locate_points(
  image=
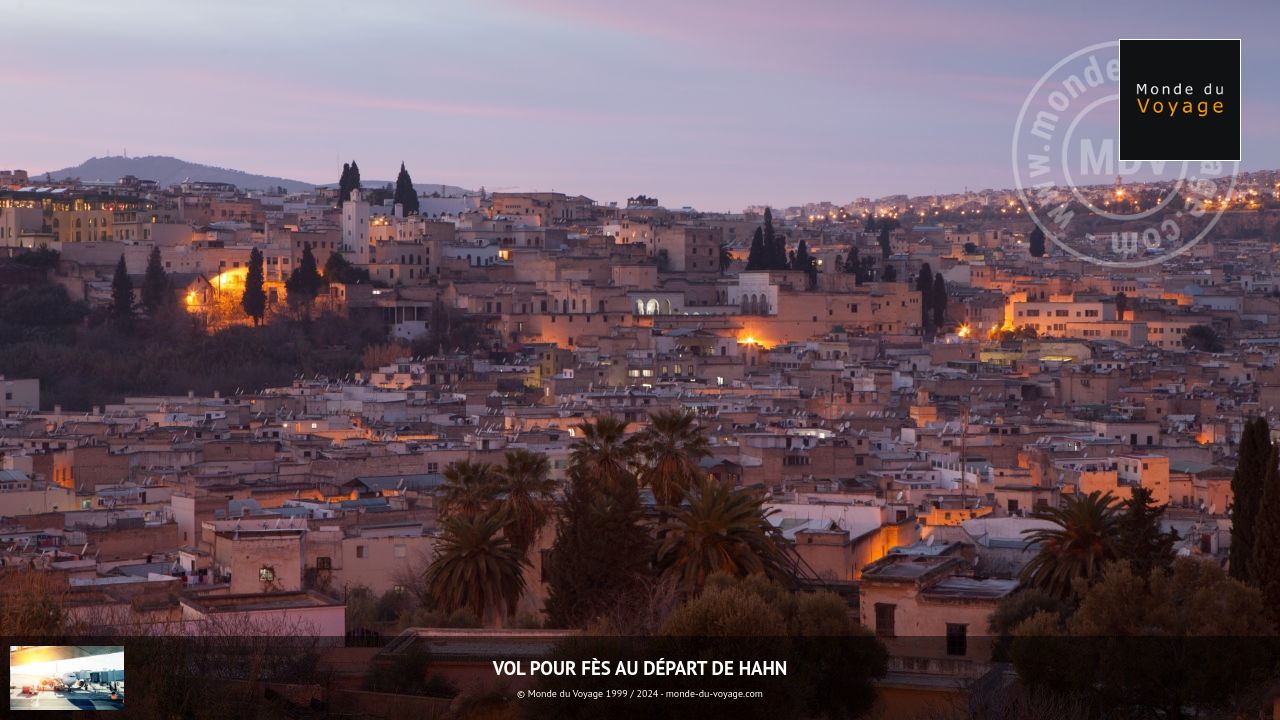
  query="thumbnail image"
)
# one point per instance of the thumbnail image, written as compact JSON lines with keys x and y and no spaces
{"x":66,"y":677}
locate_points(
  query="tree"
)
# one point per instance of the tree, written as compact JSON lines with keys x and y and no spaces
{"x":1140,"y":540}
{"x":924,"y":285}
{"x":885,"y":248}
{"x":775,"y":246}
{"x":671,"y":448}
{"x":889,"y":274}
{"x":602,"y":455}
{"x":726,"y":258}
{"x":602,"y":555}
{"x":349,"y":181}
{"x":476,"y":567}
{"x":1190,"y":637}
{"x":304,"y":282}
{"x":526,"y":495}
{"x":1246,"y":489}
{"x":406,"y":196}
{"x":1122,"y":302}
{"x":938,"y":299}
{"x":121,"y":307}
{"x":1083,"y":541}
{"x":756,"y":258}
{"x":469,"y":488}
{"x":721,"y":529}
{"x":970,"y":249}
{"x":1035,"y":242}
{"x":337,"y":269}
{"x":254,"y":300}
{"x":1266,"y":541}
{"x":1203,"y":338}
{"x":155,"y":284}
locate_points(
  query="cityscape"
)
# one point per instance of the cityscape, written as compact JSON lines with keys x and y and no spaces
{"x":365,"y":446}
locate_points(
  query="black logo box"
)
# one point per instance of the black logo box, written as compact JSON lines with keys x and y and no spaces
{"x":1186,"y":65}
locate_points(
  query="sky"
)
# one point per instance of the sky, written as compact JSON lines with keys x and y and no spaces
{"x":716,"y":104}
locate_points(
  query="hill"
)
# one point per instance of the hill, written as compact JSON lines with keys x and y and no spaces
{"x":168,"y":171}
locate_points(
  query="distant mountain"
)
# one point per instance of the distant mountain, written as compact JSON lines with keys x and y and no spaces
{"x":168,"y":171}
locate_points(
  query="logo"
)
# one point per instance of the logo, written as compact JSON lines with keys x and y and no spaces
{"x":1079,"y":192}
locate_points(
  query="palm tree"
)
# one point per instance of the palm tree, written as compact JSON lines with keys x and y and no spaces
{"x":1083,"y":541}
{"x":720,"y":529}
{"x":671,"y":447}
{"x":476,"y":566}
{"x":526,"y":495}
{"x":602,"y":454}
{"x":469,"y":488}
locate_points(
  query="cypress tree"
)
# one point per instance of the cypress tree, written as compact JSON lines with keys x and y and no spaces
{"x":1246,"y":488}
{"x":1265,"y":564}
{"x":1036,"y":242}
{"x":405,"y":195}
{"x":775,"y":248}
{"x":304,"y":282}
{"x":254,"y":300}
{"x":121,"y":307}
{"x":889,"y":274}
{"x":344,"y":183}
{"x":155,"y":284}
{"x":885,"y":249}
{"x":601,"y":555}
{"x":355,"y":177}
{"x":756,"y":259}
{"x":939,"y":300}
{"x":924,"y":285}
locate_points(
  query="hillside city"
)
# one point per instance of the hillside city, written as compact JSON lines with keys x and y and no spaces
{"x":395,"y":420}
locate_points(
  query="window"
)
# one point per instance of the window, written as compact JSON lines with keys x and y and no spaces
{"x":957,"y":639}
{"x":360,"y":551}
{"x":267,"y":574}
{"x":399,"y":551}
{"x":324,"y":563}
{"x":884,"y":619}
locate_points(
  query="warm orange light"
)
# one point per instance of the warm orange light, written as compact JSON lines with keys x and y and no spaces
{"x":964,"y":331}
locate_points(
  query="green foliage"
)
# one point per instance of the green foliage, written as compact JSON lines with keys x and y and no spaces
{"x":890,"y":273}
{"x":469,"y":488}
{"x":476,"y":566}
{"x":601,"y":556}
{"x":1083,"y":541}
{"x":768,"y":249}
{"x":337,"y":269}
{"x":406,"y":196}
{"x":121,"y":307}
{"x":254,"y":299}
{"x":1140,"y":540}
{"x":349,"y":181}
{"x":1246,"y":488}
{"x":671,"y":447}
{"x":156,"y":292}
{"x":40,"y":257}
{"x":885,"y":248}
{"x":720,"y":529}
{"x":1035,"y":242}
{"x":1203,"y":338}
{"x":526,"y":496}
{"x":1265,"y":567}
{"x":304,"y":283}
{"x":1189,"y":637}
{"x":938,"y":300}
{"x":970,"y":249}
{"x":169,"y":354}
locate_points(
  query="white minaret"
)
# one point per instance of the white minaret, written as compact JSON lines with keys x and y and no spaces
{"x":355,"y":228}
